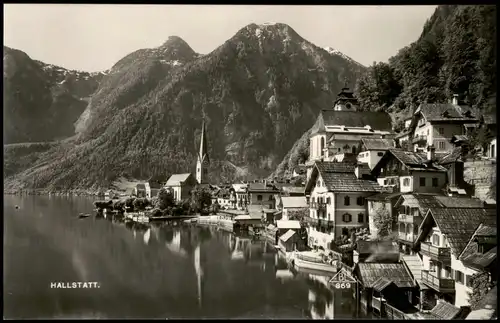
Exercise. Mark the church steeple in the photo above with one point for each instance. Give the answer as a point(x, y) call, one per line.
point(203, 159)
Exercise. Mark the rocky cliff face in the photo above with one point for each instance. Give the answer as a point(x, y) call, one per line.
point(42, 101)
point(258, 93)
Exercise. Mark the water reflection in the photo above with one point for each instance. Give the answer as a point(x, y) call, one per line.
point(149, 270)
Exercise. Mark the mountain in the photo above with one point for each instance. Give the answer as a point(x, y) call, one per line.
point(42, 101)
point(258, 92)
point(456, 53)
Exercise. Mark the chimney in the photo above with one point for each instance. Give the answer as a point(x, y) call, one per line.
point(455, 99)
point(430, 153)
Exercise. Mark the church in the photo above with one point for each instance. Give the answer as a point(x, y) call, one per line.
point(182, 184)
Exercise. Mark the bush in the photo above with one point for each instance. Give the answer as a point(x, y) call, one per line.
point(103, 204)
point(156, 212)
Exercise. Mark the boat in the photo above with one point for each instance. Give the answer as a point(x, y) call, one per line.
point(82, 216)
point(314, 261)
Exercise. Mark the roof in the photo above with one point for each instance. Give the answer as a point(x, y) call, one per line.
point(425, 201)
point(382, 283)
point(444, 310)
point(262, 187)
point(294, 202)
point(383, 196)
point(377, 144)
point(333, 167)
point(458, 224)
point(288, 224)
point(459, 138)
point(287, 235)
point(470, 256)
point(453, 156)
point(141, 186)
point(415, 161)
point(341, 182)
point(293, 189)
point(369, 274)
point(446, 112)
point(240, 187)
point(376, 120)
point(176, 179)
point(243, 217)
point(402, 134)
point(415, 265)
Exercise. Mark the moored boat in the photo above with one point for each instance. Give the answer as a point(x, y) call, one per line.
point(314, 261)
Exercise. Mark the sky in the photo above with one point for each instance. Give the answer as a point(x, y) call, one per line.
point(93, 37)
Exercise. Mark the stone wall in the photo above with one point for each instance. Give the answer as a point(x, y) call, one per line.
point(482, 174)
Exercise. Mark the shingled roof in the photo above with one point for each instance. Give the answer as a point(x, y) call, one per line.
point(445, 311)
point(377, 144)
point(446, 112)
point(376, 120)
point(485, 233)
point(452, 157)
point(370, 273)
point(415, 160)
point(457, 224)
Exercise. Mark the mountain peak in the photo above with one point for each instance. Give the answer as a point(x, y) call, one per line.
point(175, 41)
point(176, 48)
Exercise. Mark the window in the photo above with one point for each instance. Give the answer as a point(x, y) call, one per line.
point(322, 146)
point(459, 277)
point(348, 105)
point(406, 182)
point(198, 170)
point(319, 183)
point(347, 217)
point(435, 240)
point(441, 130)
point(428, 132)
point(259, 197)
point(441, 145)
point(360, 201)
point(422, 181)
point(328, 201)
point(270, 197)
point(360, 218)
point(338, 149)
point(347, 200)
point(270, 206)
point(434, 182)
point(380, 154)
point(468, 281)
point(432, 266)
point(385, 182)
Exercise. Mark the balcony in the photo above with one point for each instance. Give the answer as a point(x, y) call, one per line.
point(409, 237)
point(436, 253)
point(326, 223)
point(405, 218)
point(317, 206)
point(442, 285)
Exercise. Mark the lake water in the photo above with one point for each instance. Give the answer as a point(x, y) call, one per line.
point(147, 271)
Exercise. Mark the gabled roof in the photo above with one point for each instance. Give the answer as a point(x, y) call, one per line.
point(457, 224)
point(485, 233)
point(453, 156)
point(382, 283)
point(288, 224)
point(369, 274)
point(340, 177)
point(293, 189)
point(294, 202)
point(262, 187)
point(412, 160)
point(445, 311)
point(446, 112)
point(287, 235)
point(176, 179)
point(377, 144)
point(376, 120)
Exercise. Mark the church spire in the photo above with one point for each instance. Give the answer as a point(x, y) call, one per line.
point(203, 159)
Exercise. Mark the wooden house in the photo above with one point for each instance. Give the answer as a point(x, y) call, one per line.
point(291, 241)
point(387, 288)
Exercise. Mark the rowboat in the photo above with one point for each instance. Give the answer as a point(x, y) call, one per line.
point(313, 261)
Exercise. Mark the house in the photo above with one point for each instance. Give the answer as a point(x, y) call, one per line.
point(337, 193)
point(291, 241)
point(371, 150)
point(407, 171)
point(435, 124)
point(241, 195)
point(142, 190)
point(443, 236)
point(293, 190)
point(293, 204)
point(284, 226)
point(262, 194)
point(386, 287)
point(382, 203)
point(181, 185)
point(454, 164)
point(339, 130)
point(411, 209)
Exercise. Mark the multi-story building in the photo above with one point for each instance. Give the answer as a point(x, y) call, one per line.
point(338, 131)
point(443, 236)
point(337, 193)
point(262, 194)
point(435, 124)
point(371, 150)
point(407, 171)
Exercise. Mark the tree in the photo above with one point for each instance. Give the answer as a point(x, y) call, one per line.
point(382, 219)
point(201, 198)
point(140, 204)
point(165, 199)
point(480, 286)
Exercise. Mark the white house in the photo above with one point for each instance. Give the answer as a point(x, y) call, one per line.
point(181, 185)
point(337, 194)
point(373, 149)
point(444, 235)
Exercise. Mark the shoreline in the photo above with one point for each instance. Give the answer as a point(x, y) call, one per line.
point(49, 192)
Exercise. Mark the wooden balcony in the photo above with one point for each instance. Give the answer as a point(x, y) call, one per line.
point(317, 206)
point(405, 218)
point(442, 285)
point(436, 253)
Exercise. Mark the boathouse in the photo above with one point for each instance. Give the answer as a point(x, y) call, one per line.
point(291, 241)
